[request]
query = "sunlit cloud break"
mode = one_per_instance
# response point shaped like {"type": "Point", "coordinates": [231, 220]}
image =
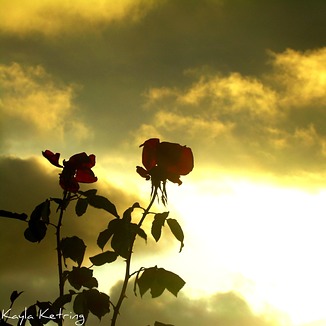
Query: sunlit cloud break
{"type": "Point", "coordinates": [31, 97]}
{"type": "Point", "coordinates": [55, 16]}
{"type": "Point", "coordinates": [271, 121]}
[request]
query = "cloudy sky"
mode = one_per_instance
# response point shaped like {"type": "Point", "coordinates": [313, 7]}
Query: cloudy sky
{"type": "Point", "coordinates": [243, 83]}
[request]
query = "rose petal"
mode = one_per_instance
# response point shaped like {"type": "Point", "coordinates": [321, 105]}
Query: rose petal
{"type": "Point", "coordinates": [175, 158]}
{"type": "Point", "coordinates": [186, 161]}
{"type": "Point", "coordinates": [142, 172]}
{"type": "Point", "coordinates": [85, 176]}
{"type": "Point", "coordinates": [149, 155]}
{"type": "Point", "coordinates": [78, 160]}
{"type": "Point", "coordinates": [52, 158]}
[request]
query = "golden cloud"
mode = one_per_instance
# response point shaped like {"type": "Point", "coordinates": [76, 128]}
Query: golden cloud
{"type": "Point", "coordinates": [54, 16]}
{"type": "Point", "coordinates": [254, 121]}
{"type": "Point", "coordinates": [301, 76]}
{"type": "Point", "coordinates": [30, 96]}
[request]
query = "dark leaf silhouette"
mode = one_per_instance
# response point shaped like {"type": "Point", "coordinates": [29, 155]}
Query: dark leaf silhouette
{"type": "Point", "coordinates": [61, 301]}
{"type": "Point", "coordinates": [127, 214]}
{"type": "Point", "coordinates": [41, 212]}
{"type": "Point", "coordinates": [173, 282]}
{"type": "Point", "coordinates": [30, 314]}
{"type": "Point", "coordinates": [141, 233]}
{"type": "Point", "coordinates": [121, 242]}
{"type": "Point", "coordinates": [81, 206]}
{"type": "Point", "coordinates": [82, 276]}
{"type": "Point", "coordinates": [14, 295]}
{"type": "Point", "coordinates": [73, 248]}
{"type": "Point", "coordinates": [80, 305]}
{"type": "Point", "coordinates": [123, 236]}
{"type": "Point", "coordinates": [93, 301]}
{"type": "Point", "coordinates": [89, 192]}
{"type": "Point", "coordinates": [157, 225]}
{"type": "Point", "coordinates": [98, 303]}
{"type": "Point", "coordinates": [105, 235]}
{"type": "Point", "coordinates": [58, 201]}
{"type": "Point", "coordinates": [39, 218]}
{"type": "Point", "coordinates": [36, 231]}
{"type": "Point", "coordinates": [103, 203]}
{"type": "Point", "coordinates": [176, 230]}
{"type": "Point", "coordinates": [17, 216]}
{"type": "Point", "coordinates": [46, 312]}
{"type": "Point", "coordinates": [103, 258]}
{"type": "Point", "coordinates": [157, 323]}
{"type": "Point", "coordinates": [157, 280]}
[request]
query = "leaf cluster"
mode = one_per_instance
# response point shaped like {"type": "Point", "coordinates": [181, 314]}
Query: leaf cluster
{"type": "Point", "coordinates": [120, 235]}
{"type": "Point", "coordinates": [158, 223]}
{"type": "Point", "coordinates": [157, 280]}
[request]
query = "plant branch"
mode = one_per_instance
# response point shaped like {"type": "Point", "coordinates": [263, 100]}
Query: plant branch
{"type": "Point", "coordinates": [59, 255]}
{"type": "Point", "coordinates": [128, 263]}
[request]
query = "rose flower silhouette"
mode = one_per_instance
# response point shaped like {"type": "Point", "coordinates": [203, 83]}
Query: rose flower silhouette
{"type": "Point", "coordinates": [76, 169]}
{"type": "Point", "coordinates": [164, 161]}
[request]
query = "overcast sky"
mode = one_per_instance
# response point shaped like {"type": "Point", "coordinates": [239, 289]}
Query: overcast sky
{"type": "Point", "coordinates": [243, 83]}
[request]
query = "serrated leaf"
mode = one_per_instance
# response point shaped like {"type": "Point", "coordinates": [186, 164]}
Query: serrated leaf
{"type": "Point", "coordinates": [61, 301]}
{"type": "Point", "coordinates": [176, 230]}
{"type": "Point", "coordinates": [45, 214]}
{"type": "Point", "coordinates": [80, 305]}
{"type": "Point", "coordinates": [127, 214]}
{"type": "Point", "coordinates": [98, 303]}
{"type": "Point", "coordinates": [157, 280]}
{"type": "Point", "coordinates": [103, 258]}
{"type": "Point", "coordinates": [120, 243]}
{"type": "Point", "coordinates": [30, 311]}
{"type": "Point", "coordinates": [73, 248]}
{"type": "Point", "coordinates": [82, 276]}
{"type": "Point", "coordinates": [41, 212]}
{"type": "Point", "coordinates": [81, 206]}
{"type": "Point", "coordinates": [157, 289]}
{"type": "Point", "coordinates": [45, 307]}
{"type": "Point", "coordinates": [157, 225]}
{"type": "Point", "coordinates": [17, 216]}
{"type": "Point", "coordinates": [172, 282]}
{"type": "Point", "coordinates": [105, 235]}
{"type": "Point", "coordinates": [146, 280]}
{"type": "Point", "coordinates": [14, 295]}
{"type": "Point", "coordinates": [141, 233]}
{"type": "Point", "coordinates": [124, 235]}
{"type": "Point", "coordinates": [36, 231]}
{"type": "Point", "coordinates": [103, 203]}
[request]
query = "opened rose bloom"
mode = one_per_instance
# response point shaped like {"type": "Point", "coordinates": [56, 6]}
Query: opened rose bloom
{"type": "Point", "coordinates": [164, 161]}
{"type": "Point", "coordinates": [76, 169]}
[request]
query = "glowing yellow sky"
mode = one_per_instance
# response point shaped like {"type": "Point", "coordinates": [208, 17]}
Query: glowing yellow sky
{"type": "Point", "coordinates": [242, 84]}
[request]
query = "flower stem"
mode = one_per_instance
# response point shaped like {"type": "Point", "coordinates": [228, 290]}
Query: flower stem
{"type": "Point", "coordinates": [59, 255]}
{"type": "Point", "coordinates": [128, 263]}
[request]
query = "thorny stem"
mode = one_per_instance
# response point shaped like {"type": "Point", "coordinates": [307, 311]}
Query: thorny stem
{"type": "Point", "coordinates": [128, 263]}
{"type": "Point", "coordinates": [59, 255]}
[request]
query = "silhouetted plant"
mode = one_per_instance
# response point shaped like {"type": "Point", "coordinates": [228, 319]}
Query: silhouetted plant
{"type": "Point", "coordinates": [162, 161]}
